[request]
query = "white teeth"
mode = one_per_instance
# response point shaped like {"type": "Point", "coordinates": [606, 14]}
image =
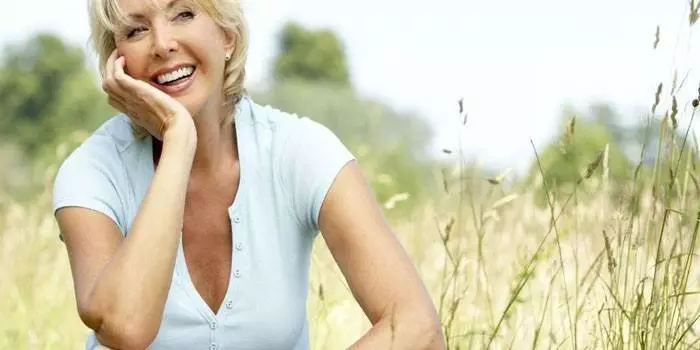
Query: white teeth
{"type": "Point", "coordinates": [174, 75]}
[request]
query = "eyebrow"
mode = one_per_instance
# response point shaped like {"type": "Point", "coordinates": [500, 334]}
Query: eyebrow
{"type": "Point", "coordinates": [168, 7]}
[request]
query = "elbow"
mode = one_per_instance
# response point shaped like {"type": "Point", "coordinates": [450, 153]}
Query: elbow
{"type": "Point", "coordinates": [428, 333]}
{"type": "Point", "coordinates": [117, 331]}
{"type": "Point", "coordinates": [417, 329]}
{"type": "Point", "coordinates": [125, 334]}
{"type": "Point", "coordinates": [433, 337]}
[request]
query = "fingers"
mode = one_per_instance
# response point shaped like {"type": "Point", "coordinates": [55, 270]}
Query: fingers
{"type": "Point", "coordinates": [145, 104]}
{"type": "Point", "coordinates": [126, 82]}
{"type": "Point", "coordinates": [118, 70]}
{"type": "Point", "coordinates": [113, 84]}
{"type": "Point", "coordinates": [117, 96]}
{"type": "Point", "coordinates": [110, 84]}
{"type": "Point", "coordinates": [142, 90]}
{"type": "Point", "coordinates": [108, 78]}
{"type": "Point", "coordinates": [110, 60]}
{"type": "Point", "coordinates": [123, 81]}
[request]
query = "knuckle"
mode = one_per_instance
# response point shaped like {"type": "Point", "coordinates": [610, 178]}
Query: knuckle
{"type": "Point", "coordinates": [141, 95]}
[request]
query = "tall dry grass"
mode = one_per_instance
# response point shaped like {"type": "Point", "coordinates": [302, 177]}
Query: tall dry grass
{"type": "Point", "coordinates": [503, 272]}
{"type": "Point", "coordinates": [614, 271]}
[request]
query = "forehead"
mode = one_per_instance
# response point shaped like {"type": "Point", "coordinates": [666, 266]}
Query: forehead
{"type": "Point", "coordinates": [142, 7]}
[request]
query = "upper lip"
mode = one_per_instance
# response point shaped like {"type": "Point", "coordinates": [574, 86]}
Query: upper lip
{"type": "Point", "coordinates": [172, 68]}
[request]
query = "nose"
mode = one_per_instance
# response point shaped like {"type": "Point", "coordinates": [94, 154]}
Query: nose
{"type": "Point", "coordinates": [164, 43]}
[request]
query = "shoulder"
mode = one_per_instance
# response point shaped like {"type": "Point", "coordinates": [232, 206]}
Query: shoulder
{"type": "Point", "coordinates": [113, 136]}
{"type": "Point", "coordinates": [306, 156]}
{"type": "Point", "coordinates": [288, 132]}
{"type": "Point", "coordinates": [103, 149]}
{"type": "Point", "coordinates": [93, 174]}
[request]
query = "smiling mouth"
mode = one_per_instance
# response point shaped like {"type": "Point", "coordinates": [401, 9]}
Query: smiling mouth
{"type": "Point", "coordinates": [174, 77]}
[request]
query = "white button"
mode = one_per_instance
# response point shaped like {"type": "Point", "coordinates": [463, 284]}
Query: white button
{"type": "Point", "coordinates": [239, 246]}
{"type": "Point", "coordinates": [229, 304]}
{"type": "Point", "coordinates": [237, 273]}
{"type": "Point", "coordinates": [236, 219]}
{"type": "Point", "coordinates": [213, 325]}
{"type": "Point", "coordinates": [212, 346]}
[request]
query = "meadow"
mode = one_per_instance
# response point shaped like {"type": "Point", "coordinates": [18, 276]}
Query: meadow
{"type": "Point", "coordinates": [510, 262]}
{"type": "Point", "coordinates": [607, 266]}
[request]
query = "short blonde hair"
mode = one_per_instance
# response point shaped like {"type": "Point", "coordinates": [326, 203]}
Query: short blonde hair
{"type": "Point", "coordinates": [106, 17]}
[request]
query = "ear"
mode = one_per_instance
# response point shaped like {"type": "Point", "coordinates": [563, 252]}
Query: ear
{"type": "Point", "coordinates": [230, 38]}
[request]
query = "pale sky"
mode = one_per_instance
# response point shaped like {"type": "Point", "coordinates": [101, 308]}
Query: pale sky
{"type": "Point", "coordinates": [514, 62]}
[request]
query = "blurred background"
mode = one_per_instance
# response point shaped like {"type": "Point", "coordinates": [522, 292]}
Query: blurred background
{"type": "Point", "coordinates": [553, 133]}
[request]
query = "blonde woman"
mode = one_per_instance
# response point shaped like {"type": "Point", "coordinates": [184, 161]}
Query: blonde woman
{"type": "Point", "coordinates": [189, 217]}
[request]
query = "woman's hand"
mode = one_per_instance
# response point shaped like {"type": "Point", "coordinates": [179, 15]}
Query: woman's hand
{"type": "Point", "coordinates": [147, 106]}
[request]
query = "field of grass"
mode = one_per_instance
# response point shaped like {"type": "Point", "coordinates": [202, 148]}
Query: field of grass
{"type": "Point", "coordinates": [601, 265]}
{"type": "Point", "coordinates": [597, 273]}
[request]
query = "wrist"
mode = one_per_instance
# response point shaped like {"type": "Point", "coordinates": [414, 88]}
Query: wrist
{"type": "Point", "coordinates": [181, 132]}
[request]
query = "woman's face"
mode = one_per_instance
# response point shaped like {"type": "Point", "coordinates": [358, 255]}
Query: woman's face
{"type": "Point", "coordinates": [176, 47]}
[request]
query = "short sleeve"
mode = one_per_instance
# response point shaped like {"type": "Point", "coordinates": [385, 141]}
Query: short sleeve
{"type": "Point", "coordinates": [88, 178]}
{"type": "Point", "coordinates": [312, 158]}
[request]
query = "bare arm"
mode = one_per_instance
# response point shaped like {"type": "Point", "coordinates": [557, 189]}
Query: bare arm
{"type": "Point", "coordinates": [378, 270]}
{"type": "Point", "coordinates": [121, 285]}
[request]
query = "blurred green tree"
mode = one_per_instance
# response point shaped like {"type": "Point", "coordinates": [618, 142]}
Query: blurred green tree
{"type": "Point", "coordinates": [311, 78]}
{"type": "Point", "coordinates": [661, 151]}
{"type": "Point", "coordinates": [566, 160]}
{"type": "Point", "coordinates": [46, 91]}
{"type": "Point", "coordinates": [671, 158]}
{"type": "Point", "coordinates": [310, 55]}
{"type": "Point", "coordinates": [392, 146]}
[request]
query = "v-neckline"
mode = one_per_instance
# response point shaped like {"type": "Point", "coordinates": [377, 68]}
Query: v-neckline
{"type": "Point", "coordinates": [181, 269]}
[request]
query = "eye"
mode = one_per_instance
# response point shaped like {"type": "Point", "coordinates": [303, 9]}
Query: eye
{"type": "Point", "coordinates": [187, 14]}
{"type": "Point", "coordinates": [130, 33]}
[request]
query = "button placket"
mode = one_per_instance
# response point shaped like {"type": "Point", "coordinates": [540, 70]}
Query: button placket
{"type": "Point", "coordinates": [213, 325]}
{"type": "Point", "coordinates": [238, 260]}
{"type": "Point", "coordinates": [238, 246]}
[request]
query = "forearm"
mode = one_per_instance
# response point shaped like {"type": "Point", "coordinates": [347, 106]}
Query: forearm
{"type": "Point", "coordinates": [407, 332]}
{"type": "Point", "coordinates": [128, 297]}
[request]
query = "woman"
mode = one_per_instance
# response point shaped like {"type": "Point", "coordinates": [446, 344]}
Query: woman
{"type": "Point", "coordinates": [189, 218]}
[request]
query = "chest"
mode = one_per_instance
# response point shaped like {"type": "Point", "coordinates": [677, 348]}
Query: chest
{"type": "Point", "coordinates": [265, 299]}
{"type": "Point", "coordinates": [241, 273]}
{"type": "Point", "coordinates": [207, 237]}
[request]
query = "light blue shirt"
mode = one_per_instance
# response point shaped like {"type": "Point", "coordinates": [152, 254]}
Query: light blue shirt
{"type": "Point", "coordinates": [287, 165]}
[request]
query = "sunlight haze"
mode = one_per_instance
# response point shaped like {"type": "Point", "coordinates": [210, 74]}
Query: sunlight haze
{"type": "Point", "coordinates": [515, 63]}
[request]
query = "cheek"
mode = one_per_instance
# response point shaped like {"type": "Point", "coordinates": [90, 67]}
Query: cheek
{"type": "Point", "coordinates": [134, 61]}
{"type": "Point", "coordinates": [208, 48]}
{"type": "Point", "coordinates": [204, 52]}
{"type": "Point", "coordinates": [215, 57]}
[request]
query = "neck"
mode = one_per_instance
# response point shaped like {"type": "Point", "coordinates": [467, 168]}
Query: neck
{"type": "Point", "coordinates": [216, 143]}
